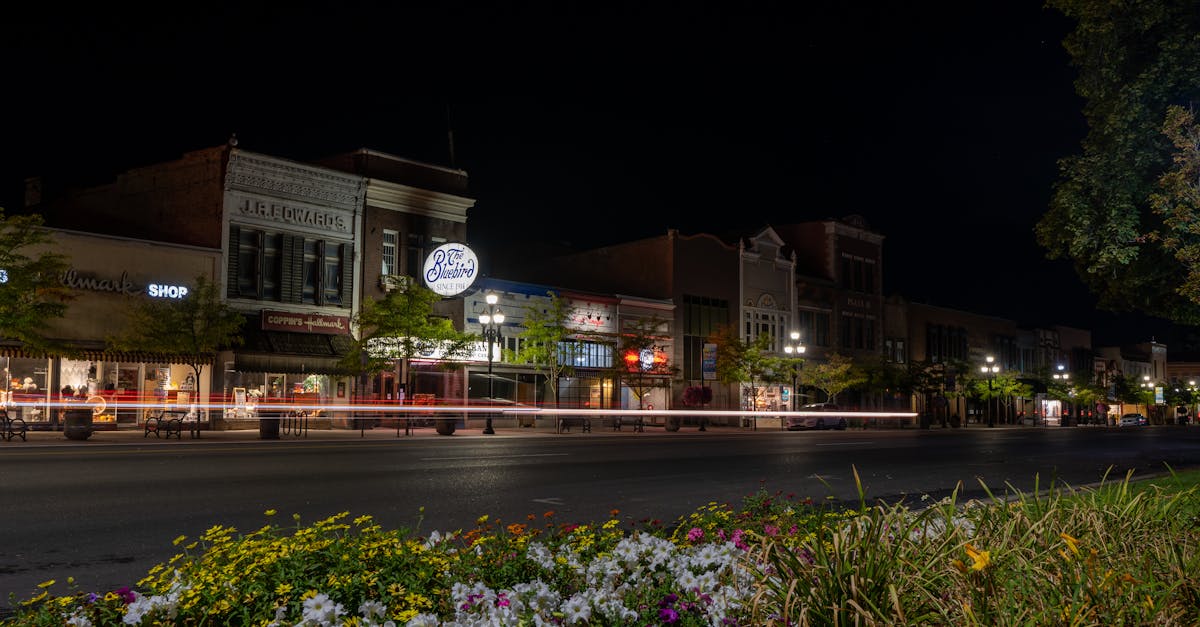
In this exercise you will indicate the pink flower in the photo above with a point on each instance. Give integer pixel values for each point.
(695, 534)
(771, 530)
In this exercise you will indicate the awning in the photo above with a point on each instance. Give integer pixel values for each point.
(287, 352)
(93, 354)
(291, 364)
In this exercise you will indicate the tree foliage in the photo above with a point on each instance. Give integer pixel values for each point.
(546, 341)
(403, 326)
(833, 376)
(742, 362)
(1177, 201)
(31, 288)
(1135, 59)
(194, 327)
(641, 376)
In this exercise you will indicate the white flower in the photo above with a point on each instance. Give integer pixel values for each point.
(372, 609)
(77, 619)
(576, 609)
(321, 610)
(423, 620)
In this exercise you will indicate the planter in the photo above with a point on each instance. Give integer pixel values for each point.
(672, 423)
(445, 426)
(77, 424)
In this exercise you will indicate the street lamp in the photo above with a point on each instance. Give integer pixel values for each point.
(491, 320)
(795, 348)
(1149, 385)
(1192, 398)
(989, 370)
(1064, 376)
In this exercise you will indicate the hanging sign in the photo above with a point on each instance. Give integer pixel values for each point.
(450, 269)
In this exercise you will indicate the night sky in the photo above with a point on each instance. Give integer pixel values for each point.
(584, 124)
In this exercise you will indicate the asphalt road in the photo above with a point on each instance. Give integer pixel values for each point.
(105, 513)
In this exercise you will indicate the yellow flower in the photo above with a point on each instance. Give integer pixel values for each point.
(269, 512)
(283, 588)
(1072, 543)
(979, 559)
(482, 519)
(178, 540)
(46, 584)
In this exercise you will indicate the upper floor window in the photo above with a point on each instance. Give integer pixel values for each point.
(414, 254)
(287, 268)
(391, 240)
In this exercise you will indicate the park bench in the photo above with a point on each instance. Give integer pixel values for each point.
(165, 423)
(637, 422)
(11, 427)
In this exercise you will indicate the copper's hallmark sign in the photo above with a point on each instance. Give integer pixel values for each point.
(305, 322)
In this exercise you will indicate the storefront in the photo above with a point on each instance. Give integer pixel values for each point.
(291, 358)
(107, 275)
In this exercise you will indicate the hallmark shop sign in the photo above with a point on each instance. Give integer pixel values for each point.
(305, 323)
(450, 269)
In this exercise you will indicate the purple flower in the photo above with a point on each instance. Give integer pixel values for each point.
(668, 600)
(91, 598)
(127, 596)
(668, 615)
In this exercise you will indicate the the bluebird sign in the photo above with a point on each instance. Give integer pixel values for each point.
(450, 269)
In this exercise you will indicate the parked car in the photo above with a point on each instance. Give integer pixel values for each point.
(1132, 420)
(796, 423)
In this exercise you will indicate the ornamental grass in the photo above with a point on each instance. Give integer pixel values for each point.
(1119, 553)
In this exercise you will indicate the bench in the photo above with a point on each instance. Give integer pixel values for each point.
(165, 423)
(11, 427)
(637, 422)
(584, 423)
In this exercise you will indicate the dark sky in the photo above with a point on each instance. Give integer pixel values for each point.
(591, 123)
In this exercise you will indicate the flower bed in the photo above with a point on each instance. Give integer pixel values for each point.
(1105, 556)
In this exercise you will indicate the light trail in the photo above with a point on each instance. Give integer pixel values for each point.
(427, 410)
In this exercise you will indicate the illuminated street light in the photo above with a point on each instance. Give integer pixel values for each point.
(1064, 376)
(795, 348)
(491, 320)
(989, 370)
(1149, 385)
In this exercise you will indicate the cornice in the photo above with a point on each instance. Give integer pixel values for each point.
(256, 173)
(414, 200)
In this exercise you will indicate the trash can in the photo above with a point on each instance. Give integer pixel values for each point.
(77, 423)
(268, 424)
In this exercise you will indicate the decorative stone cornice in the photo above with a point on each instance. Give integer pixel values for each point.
(255, 173)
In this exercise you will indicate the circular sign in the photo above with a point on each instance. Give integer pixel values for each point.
(450, 269)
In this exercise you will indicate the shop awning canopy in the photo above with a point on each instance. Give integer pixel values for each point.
(286, 352)
(94, 354)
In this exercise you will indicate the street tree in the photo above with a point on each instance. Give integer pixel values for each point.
(31, 288)
(403, 326)
(1134, 59)
(1177, 201)
(193, 328)
(833, 376)
(547, 343)
(1003, 388)
(642, 357)
(741, 362)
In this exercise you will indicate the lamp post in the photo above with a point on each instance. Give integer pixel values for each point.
(490, 320)
(1063, 376)
(989, 370)
(795, 348)
(1149, 385)
(1192, 398)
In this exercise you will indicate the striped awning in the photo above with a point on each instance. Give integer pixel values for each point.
(93, 354)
